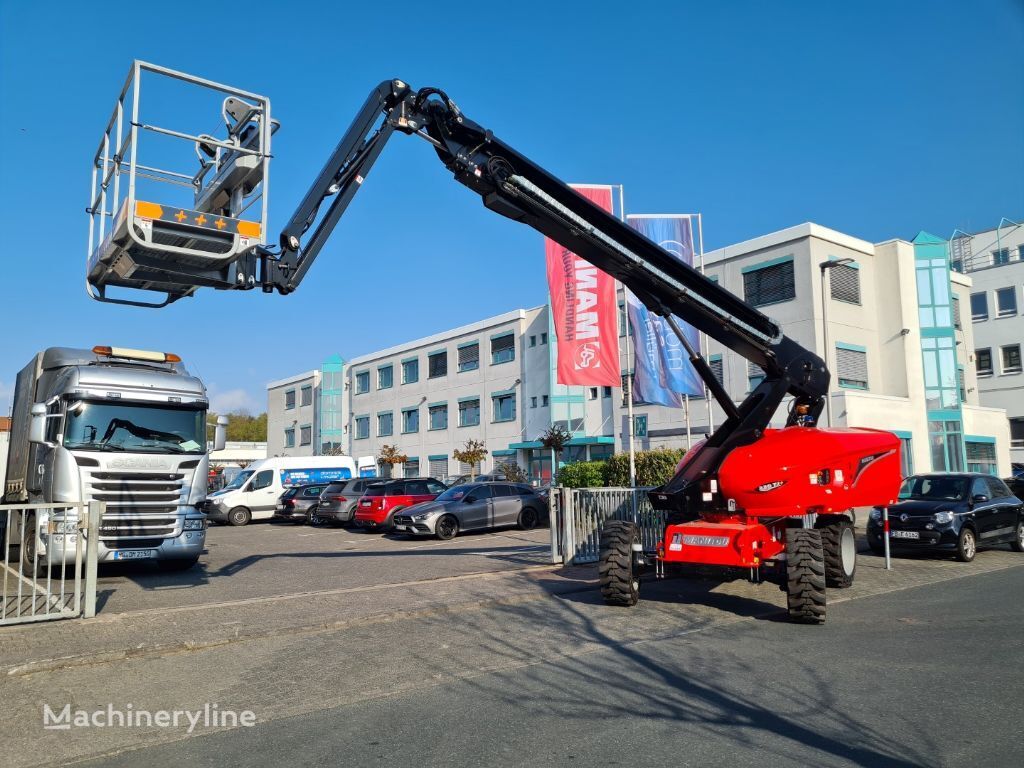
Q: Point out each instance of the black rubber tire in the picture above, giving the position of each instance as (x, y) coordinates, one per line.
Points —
(617, 571)
(446, 528)
(840, 545)
(178, 565)
(527, 520)
(239, 516)
(966, 545)
(28, 548)
(805, 576)
(1017, 545)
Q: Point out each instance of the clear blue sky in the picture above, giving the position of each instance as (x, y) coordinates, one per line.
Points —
(875, 118)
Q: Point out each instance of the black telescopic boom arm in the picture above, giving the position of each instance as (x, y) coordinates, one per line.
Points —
(514, 186)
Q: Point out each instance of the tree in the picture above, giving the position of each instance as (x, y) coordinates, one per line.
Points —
(389, 456)
(555, 440)
(512, 472)
(242, 427)
(472, 453)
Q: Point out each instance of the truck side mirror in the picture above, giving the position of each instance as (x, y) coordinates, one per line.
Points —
(220, 433)
(37, 427)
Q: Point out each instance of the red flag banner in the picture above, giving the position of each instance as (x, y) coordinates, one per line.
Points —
(583, 311)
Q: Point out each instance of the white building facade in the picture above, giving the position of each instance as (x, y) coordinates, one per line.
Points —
(994, 261)
(293, 410)
(886, 318)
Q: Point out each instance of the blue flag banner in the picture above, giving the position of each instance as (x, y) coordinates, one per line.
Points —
(665, 376)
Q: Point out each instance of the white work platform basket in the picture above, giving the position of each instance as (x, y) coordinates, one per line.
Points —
(173, 208)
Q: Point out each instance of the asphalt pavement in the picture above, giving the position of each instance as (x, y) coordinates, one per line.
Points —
(525, 666)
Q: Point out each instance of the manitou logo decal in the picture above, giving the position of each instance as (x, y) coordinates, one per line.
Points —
(706, 541)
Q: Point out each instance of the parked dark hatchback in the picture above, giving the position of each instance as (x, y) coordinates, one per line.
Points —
(956, 511)
(338, 500)
(299, 503)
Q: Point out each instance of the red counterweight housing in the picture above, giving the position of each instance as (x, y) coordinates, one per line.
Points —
(787, 473)
(797, 470)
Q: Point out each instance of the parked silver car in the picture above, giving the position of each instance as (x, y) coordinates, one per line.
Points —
(474, 506)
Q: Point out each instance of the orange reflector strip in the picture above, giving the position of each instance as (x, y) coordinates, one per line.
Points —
(148, 210)
(249, 228)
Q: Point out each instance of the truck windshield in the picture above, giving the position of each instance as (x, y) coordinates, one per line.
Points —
(112, 426)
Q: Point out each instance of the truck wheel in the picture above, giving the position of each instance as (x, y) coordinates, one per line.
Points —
(29, 567)
(805, 575)
(617, 572)
(239, 516)
(840, 546)
(966, 545)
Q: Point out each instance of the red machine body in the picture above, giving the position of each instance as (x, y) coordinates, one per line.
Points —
(788, 473)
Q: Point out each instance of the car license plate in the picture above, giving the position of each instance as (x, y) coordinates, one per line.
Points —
(905, 534)
(135, 554)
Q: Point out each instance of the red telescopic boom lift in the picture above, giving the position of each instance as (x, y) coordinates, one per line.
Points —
(775, 503)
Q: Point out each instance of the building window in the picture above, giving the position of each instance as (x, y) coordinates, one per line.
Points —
(289, 399)
(845, 283)
(1017, 433)
(289, 438)
(533, 402)
(504, 406)
(606, 392)
(715, 363)
(1001, 256)
(755, 375)
(941, 390)
(1020, 253)
(533, 341)
(906, 455)
(503, 349)
(362, 382)
(410, 371)
(1011, 358)
(627, 387)
(979, 307)
(385, 424)
(770, 284)
(851, 367)
(439, 416)
(962, 383)
(411, 467)
(640, 426)
(362, 427)
(438, 467)
(956, 314)
(543, 338)
(385, 377)
(983, 361)
(1006, 302)
(306, 395)
(592, 393)
(946, 440)
(981, 457)
(469, 413)
(306, 435)
(622, 318)
(543, 401)
(410, 420)
(437, 364)
(469, 357)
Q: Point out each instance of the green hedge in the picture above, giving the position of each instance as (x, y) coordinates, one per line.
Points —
(582, 474)
(652, 467)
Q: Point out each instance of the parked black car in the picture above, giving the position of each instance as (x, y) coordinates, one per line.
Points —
(1016, 485)
(299, 503)
(951, 511)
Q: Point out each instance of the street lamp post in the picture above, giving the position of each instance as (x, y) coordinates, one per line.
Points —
(825, 266)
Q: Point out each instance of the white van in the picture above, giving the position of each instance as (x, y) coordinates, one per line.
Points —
(254, 492)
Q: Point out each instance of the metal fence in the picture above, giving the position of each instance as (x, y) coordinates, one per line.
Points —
(32, 591)
(578, 515)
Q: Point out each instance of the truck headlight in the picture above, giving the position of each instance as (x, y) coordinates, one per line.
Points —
(943, 517)
(194, 524)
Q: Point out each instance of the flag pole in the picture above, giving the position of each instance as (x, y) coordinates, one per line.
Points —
(704, 337)
(627, 390)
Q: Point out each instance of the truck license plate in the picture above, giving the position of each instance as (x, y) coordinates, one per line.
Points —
(135, 554)
(905, 534)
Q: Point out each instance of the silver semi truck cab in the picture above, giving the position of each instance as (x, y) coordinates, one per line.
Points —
(122, 426)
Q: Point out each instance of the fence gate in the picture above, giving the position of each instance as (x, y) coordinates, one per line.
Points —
(66, 590)
(578, 515)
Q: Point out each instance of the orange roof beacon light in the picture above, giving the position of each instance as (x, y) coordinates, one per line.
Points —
(137, 354)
